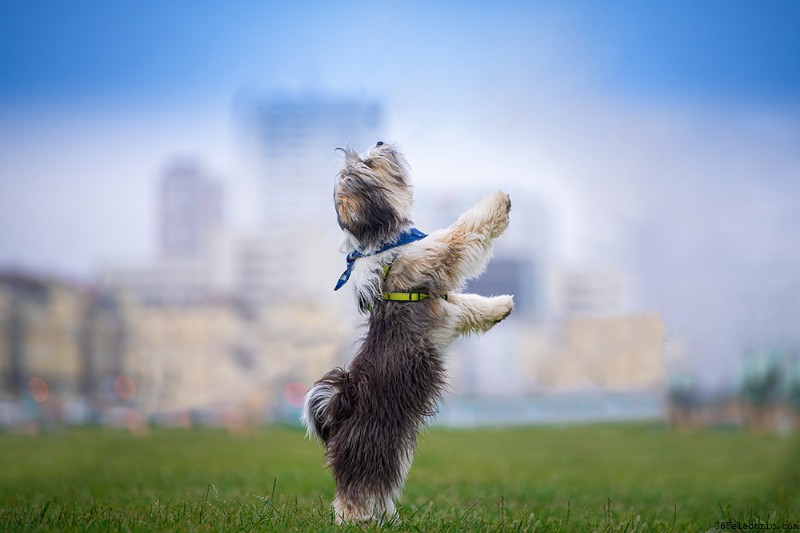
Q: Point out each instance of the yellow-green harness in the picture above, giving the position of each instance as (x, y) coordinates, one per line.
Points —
(403, 296)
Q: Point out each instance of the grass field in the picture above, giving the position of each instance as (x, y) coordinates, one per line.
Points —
(597, 477)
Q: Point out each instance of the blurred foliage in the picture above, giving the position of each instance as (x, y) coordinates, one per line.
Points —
(769, 378)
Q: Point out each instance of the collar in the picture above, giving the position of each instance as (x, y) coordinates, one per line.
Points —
(406, 237)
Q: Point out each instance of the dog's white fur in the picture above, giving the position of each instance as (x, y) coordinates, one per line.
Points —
(466, 313)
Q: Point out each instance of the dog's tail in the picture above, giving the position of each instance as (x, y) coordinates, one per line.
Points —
(328, 403)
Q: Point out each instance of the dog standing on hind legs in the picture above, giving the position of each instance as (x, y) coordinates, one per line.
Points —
(407, 283)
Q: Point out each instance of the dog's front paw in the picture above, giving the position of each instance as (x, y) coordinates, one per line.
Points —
(501, 205)
(503, 307)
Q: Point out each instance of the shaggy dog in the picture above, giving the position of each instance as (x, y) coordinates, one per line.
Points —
(407, 283)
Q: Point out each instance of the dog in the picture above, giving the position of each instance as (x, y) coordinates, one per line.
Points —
(407, 283)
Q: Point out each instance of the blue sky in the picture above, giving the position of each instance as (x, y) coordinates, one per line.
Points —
(122, 51)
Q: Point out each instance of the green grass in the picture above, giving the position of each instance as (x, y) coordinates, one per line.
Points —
(602, 478)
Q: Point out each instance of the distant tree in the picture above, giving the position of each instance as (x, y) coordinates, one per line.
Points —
(793, 395)
(793, 384)
(683, 400)
(761, 388)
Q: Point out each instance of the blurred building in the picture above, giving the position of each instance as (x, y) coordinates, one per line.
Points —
(295, 139)
(185, 357)
(515, 274)
(191, 263)
(612, 353)
(40, 332)
(574, 370)
(61, 347)
(104, 342)
(70, 353)
(166, 282)
(190, 210)
(589, 291)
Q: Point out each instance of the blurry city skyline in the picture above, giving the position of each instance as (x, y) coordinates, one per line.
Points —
(664, 139)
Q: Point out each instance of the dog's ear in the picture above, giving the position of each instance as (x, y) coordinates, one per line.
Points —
(350, 155)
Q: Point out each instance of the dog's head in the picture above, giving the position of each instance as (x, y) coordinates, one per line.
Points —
(373, 195)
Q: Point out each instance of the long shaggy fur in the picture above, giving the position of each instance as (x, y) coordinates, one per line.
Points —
(368, 416)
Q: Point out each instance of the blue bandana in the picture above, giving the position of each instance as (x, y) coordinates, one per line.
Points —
(406, 237)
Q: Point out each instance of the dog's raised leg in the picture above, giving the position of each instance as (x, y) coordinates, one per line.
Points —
(488, 217)
(478, 314)
(459, 252)
(469, 239)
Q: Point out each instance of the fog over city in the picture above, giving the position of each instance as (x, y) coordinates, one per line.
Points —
(664, 140)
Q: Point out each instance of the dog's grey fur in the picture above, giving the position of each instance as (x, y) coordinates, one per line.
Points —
(368, 416)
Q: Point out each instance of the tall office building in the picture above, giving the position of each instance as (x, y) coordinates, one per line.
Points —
(295, 138)
(190, 230)
(190, 211)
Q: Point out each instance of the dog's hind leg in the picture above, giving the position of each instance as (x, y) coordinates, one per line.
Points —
(378, 507)
(370, 497)
(477, 314)
(349, 510)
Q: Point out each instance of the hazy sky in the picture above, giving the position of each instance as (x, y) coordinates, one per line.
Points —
(95, 97)
(665, 134)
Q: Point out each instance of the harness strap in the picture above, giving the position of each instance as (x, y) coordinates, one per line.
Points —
(403, 296)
